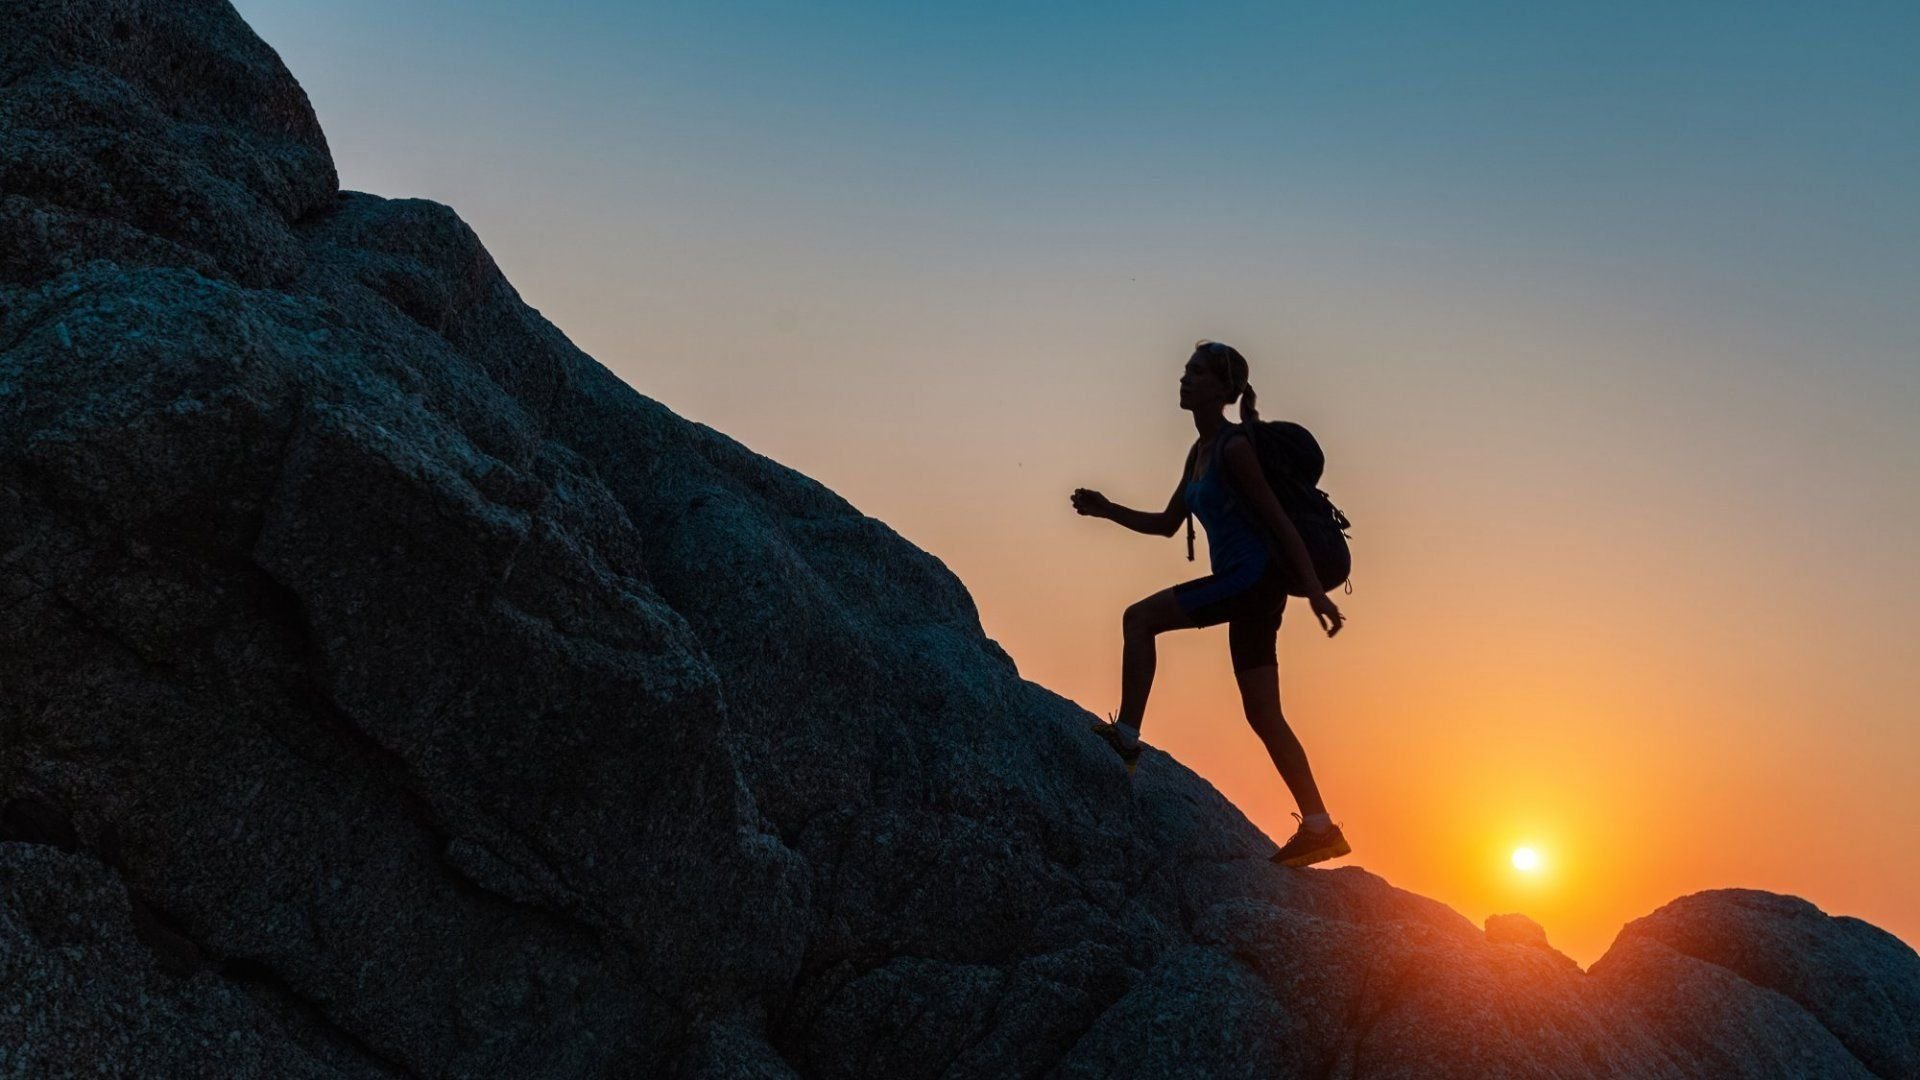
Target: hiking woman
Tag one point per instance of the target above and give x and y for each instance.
(1255, 553)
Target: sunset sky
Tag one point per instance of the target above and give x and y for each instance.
(1609, 323)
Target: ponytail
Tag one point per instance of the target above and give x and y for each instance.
(1249, 414)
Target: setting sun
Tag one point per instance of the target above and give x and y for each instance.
(1526, 860)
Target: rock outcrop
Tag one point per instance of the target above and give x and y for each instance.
(387, 689)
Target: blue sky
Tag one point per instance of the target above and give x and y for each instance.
(1734, 132)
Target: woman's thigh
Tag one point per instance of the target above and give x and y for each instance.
(1252, 639)
(1157, 614)
(1242, 596)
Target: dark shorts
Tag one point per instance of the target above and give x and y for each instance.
(1249, 601)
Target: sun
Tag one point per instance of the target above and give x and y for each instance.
(1526, 860)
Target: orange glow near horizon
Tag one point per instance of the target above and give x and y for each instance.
(1635, 699)
(1451, 722)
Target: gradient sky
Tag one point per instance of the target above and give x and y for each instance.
(1608, 320)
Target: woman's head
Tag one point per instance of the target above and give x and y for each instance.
(1216, 376)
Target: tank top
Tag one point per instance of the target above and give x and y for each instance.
(1234, 543)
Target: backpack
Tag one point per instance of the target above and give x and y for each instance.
(1292, 461)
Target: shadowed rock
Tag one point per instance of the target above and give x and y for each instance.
(386, 688)
(1520, 930)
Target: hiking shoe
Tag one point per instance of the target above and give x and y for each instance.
(1307, 848)
(1110, 731)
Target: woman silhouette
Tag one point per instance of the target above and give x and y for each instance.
(1256, 554)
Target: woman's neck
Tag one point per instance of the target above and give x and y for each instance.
(1209, 424)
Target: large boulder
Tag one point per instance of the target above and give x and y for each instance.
(386, 688)
(1856, 981)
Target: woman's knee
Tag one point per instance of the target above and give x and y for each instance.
(1156, 614)
(1274, 731)
(1259, 688)
(1137, 621)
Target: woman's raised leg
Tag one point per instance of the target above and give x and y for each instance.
(1142, 622)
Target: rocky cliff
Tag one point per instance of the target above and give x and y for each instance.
(387, 689)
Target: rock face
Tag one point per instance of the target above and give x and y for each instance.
(387, 689)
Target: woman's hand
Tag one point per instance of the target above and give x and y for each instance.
(1328, 614)
(1091, 503)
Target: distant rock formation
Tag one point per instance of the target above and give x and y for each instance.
(388, 689)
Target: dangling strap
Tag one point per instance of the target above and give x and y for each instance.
(1186, 479)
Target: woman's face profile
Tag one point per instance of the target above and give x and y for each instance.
(1199, 386)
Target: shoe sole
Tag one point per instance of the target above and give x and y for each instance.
(1132, 760)
(1331, 851)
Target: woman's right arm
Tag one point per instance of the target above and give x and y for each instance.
(1164, 523)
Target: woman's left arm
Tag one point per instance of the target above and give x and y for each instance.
(1243, 467)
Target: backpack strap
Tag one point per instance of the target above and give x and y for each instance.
(1192, 456)
(1186, 477)
(1242, 429)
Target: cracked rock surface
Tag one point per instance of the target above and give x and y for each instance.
(386, 689)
